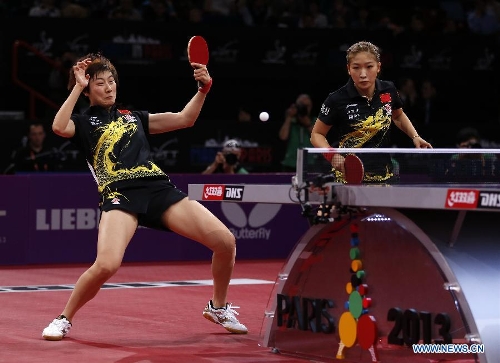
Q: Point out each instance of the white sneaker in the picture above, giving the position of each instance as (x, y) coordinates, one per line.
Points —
(226, 317)
(57, 329)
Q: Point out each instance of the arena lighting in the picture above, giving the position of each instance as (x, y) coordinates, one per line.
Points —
(377, 218)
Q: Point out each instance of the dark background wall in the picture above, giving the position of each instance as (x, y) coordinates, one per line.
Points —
(257, 68)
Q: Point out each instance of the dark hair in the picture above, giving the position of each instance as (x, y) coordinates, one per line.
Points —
(362, 46)
(99, 64)
(466, 134)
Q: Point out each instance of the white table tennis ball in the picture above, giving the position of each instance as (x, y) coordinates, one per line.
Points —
(264, 116)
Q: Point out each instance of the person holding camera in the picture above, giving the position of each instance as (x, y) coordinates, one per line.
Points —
(464, 166)
(296, 130)
(227, 161)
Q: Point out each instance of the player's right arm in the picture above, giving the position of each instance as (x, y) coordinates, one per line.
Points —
(62, 124)
(318, 139)
(318, 134)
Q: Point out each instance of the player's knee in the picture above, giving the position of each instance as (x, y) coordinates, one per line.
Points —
(105, 269)
(222, 241)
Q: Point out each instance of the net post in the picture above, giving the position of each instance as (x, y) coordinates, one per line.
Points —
(301, 167)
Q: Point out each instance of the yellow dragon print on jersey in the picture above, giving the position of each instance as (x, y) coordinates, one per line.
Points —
(366, 129)
(107, 169)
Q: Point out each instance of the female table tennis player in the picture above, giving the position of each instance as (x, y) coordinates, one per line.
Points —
(133, 190)
(361, 112)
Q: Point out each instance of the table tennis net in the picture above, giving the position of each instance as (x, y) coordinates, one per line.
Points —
(404, 165)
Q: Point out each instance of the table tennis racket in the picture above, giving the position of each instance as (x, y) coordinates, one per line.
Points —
(197, 50)
(353, 169)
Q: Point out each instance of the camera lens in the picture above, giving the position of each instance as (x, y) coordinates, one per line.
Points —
(231, 159)
(301, 109)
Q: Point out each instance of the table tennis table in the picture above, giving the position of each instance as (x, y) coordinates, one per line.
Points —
(478, 197)
(383, 271)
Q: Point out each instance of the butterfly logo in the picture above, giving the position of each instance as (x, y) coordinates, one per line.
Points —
(251, 226)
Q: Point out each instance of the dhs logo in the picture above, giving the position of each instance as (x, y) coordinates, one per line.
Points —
(233, 192)
(489, 200)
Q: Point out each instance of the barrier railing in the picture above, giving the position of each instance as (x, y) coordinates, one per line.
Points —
(33, 93)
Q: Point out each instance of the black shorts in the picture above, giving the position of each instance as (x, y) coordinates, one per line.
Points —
(147, 198)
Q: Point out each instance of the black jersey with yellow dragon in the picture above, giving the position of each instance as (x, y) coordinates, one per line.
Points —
(364, 123)
(115, 145)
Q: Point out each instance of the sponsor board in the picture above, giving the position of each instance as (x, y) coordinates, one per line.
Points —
(250, 224)
(461, 198)
(472, 199)
(223, 192)
(489, 200)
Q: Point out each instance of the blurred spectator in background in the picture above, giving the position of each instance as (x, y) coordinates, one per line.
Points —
(244, 115)
(338, 11)
(218, 7)
(362, 19)
(73, 9)
(259, 10)
(227, 12)
(59, 75)
(409, 95)
(484, 17)
(35, 155)
(296, 130)
(465, 166)
(479, 16)
(417, 25)
(468, 137)
(453, 20)
(313, 17)
(227, 161)
(4, 8)
(45, 8)
(431, 107)
(19, 9)
(284, 14)
(384, 21)
(125, 10)
(454, 9)
(195, 15)
(432, 16)
(158, 10)
(451, 26)
(240, 12)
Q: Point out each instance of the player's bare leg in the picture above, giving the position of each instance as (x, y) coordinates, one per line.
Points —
(116, 229)
(192, 220)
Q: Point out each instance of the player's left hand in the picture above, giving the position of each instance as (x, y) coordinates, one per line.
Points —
(421, 143)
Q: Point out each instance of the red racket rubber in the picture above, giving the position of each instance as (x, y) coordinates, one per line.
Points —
(197, 50)
(353, 169)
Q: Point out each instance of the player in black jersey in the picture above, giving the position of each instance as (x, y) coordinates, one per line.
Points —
(134, 191)
(361, 113)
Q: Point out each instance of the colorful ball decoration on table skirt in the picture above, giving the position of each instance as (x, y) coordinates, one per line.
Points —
(355, 324)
